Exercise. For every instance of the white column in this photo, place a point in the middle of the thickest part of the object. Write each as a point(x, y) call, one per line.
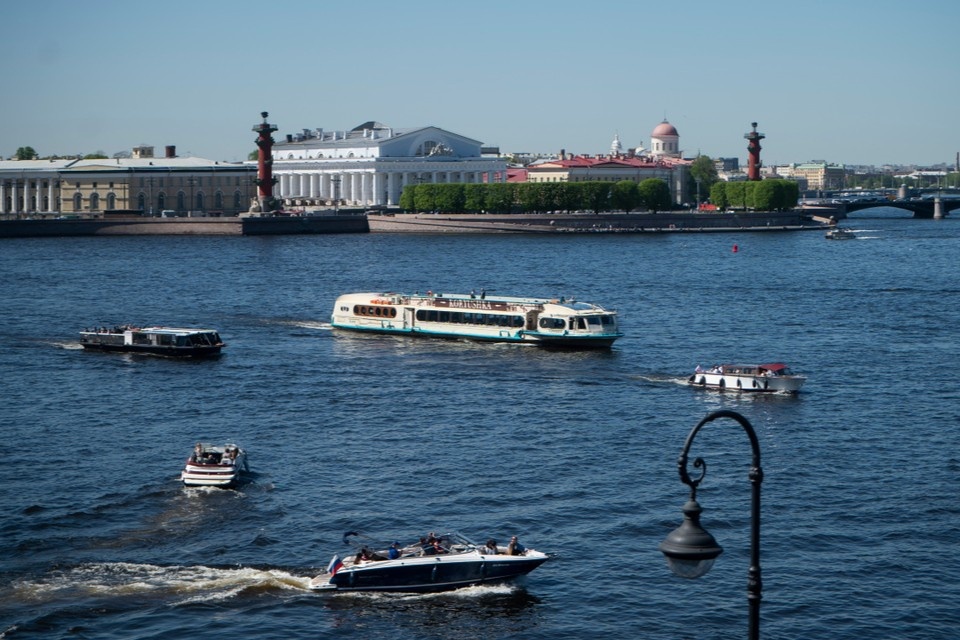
point(15, 205)
point(3, 196)
point(314, 184)
point(50, 202)
point(393, 191)
point(365, 188)
point(26, 195)
point(354, 187)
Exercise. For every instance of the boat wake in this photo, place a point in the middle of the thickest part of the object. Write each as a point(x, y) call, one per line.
point(180, 584)
point(307, 324)
point(463, 593)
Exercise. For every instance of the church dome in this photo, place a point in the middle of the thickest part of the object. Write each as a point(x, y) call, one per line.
point(664, 129)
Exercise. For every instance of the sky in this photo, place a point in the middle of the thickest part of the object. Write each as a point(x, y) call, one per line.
point(868, 82)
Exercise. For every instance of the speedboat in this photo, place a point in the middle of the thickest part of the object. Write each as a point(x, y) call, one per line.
point(212, 465)
point(840, 233)
point(165, 341)
point(556, 322)
point(771, 377)
point(434, 563)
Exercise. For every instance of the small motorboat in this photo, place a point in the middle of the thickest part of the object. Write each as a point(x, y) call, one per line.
point(212, 465)
point(434, 563)
point(772, 377)
point(163, 341)
point(840, 233)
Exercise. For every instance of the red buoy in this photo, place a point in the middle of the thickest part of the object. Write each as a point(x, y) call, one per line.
point(736, 248)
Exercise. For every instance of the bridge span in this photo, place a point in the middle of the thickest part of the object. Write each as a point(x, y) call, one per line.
point(921, 208)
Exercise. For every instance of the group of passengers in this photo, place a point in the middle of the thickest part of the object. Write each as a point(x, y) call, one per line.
point(209, 456)
point(431, 545)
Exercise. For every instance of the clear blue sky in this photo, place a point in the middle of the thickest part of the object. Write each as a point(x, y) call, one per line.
point(852, 81)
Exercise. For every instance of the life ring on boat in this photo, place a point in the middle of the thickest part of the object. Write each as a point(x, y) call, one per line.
point(723, 384)
point(703, 381)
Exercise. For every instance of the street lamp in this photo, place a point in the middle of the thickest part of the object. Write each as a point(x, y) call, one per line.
point(690, 549)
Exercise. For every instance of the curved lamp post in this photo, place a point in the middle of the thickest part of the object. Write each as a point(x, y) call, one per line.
point(690, 549)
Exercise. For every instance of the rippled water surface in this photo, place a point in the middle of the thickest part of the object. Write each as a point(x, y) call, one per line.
point(575, 452)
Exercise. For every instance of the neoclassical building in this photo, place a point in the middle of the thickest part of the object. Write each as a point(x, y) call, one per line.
point(143, 184)
point(370, 164)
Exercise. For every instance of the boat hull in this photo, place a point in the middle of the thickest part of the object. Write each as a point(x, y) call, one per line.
point(747, 383)
point(176, 352)
point(430, 573)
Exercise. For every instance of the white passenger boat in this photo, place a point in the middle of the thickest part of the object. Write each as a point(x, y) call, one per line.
point(543, 321)
point(213, 465)
point(772, 377)
point(437, 563)
point(166, 341)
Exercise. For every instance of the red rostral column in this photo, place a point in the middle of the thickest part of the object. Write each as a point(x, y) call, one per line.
point(753, 164)
point(265, 179)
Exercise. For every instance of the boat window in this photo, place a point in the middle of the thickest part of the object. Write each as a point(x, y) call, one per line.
point(374, 311)
point(607, 321)
point(552, 323)
point(593, 321)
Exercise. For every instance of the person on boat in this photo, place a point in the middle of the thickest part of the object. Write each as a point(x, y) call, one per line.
point(198, 452)
point(515, 548)
point(490, 548)
point(394, 552)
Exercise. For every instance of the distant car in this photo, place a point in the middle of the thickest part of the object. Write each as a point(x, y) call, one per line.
point(168, 213)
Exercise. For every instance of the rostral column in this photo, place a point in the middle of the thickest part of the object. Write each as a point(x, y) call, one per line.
point(265, 179)
point(753, 147)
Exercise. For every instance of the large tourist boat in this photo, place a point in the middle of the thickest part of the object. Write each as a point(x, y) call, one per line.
point(771, 377)
point(557, 322)
point(166, 341)
point(434, 563)
point(212, 465)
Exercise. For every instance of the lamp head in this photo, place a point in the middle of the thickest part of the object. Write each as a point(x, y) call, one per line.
point(690, 549)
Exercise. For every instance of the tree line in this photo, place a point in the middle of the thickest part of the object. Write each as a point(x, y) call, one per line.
point(537, 197)
point(763, 195)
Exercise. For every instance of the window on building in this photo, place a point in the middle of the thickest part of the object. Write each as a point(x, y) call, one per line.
point(77, 202)
point(111, 201)
point(94, 202)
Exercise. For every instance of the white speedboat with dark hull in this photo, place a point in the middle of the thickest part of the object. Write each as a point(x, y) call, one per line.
point(212, 465)
point(542, 321)
point(421, 568)
point(840, 233)
point(164, 341)
point(772, 377)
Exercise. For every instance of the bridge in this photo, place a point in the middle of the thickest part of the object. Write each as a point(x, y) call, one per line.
point(921, 208)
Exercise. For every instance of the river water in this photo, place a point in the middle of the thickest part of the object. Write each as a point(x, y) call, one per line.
point(575, 452)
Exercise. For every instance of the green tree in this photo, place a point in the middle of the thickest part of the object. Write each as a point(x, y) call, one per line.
point(654, 194)
point(253, 155)
point(97, 155)
point(26, 153)
point(703, 170)
point(718, 195)
point(595, 196)
point(625, 195)
point(736, 195)
point(501, 197)
point(407, 202)
point(425, 197)
point(449, 198)
point(765, 195)
point(474, 198)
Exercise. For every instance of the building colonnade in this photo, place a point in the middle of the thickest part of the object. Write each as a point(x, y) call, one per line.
point(366, 187)
point(28, 194)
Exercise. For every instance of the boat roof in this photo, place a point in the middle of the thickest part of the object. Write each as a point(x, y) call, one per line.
point(570, 303)
point(175, 330)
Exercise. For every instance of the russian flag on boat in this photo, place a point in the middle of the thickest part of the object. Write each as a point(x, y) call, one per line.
point(335, 565)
